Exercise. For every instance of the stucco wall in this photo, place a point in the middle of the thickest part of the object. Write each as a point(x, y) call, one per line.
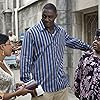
point(99, 15)
point(25, 2)
point(83, 4)
point(2, 23)
point(1, 16)
point(29, 16)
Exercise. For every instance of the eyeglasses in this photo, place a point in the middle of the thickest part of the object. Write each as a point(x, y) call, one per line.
point(97, 38)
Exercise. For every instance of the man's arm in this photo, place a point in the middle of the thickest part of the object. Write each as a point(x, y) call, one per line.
point(76, 43)
point(26, 57)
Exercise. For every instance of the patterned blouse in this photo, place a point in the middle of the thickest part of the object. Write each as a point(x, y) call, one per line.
point(6, 81)
point(87, 77)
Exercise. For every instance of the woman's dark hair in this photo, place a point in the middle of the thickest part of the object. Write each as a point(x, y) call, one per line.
point(3, 38)
point(50, 6)
point(97, 32)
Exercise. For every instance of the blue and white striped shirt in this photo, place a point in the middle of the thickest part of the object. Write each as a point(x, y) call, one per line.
point(42, 56)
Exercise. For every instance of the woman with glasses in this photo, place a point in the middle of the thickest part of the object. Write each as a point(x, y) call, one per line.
point(87, 76)
point(6, 76)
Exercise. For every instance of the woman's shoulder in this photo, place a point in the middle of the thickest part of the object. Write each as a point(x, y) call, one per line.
point(87, 54)
point(4, 74)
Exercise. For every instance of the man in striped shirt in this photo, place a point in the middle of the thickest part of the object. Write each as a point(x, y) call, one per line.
point(42, 55)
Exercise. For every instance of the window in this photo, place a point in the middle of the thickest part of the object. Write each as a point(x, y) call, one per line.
point(90, 25)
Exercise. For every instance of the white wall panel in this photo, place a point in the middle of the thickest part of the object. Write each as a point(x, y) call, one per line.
point(83, 4)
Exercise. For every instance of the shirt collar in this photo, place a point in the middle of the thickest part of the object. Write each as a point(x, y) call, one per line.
point(42, 27)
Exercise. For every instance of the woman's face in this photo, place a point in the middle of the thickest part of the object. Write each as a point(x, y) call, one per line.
point(96, 44)
point(8, 48)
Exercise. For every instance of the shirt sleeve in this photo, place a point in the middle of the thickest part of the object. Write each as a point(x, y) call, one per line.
point(26, 57)
point(76, 43)
point(78, 77)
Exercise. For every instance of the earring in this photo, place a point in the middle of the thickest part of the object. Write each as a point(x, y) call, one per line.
point(3, 53)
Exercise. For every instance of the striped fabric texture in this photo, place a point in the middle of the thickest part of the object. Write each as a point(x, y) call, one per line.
point(42, 56)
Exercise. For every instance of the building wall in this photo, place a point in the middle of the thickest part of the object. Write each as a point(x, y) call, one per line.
point(1, 15)
point(29, 16)
point(65, 20)
point(99, 14)
point(1, 25)
point(6, 9)
point(83, 4)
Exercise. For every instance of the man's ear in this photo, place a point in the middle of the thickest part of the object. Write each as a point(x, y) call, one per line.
point(2, 46)
point(56, 15)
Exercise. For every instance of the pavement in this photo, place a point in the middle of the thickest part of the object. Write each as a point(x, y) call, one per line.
point(28, 97)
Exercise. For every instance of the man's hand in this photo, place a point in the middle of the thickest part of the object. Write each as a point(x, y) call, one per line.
point(34, 93)
point(22, 91)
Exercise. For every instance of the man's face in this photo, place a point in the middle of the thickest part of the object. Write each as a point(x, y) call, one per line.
point(96, 44)
point(10, 33)
point(48, 18)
